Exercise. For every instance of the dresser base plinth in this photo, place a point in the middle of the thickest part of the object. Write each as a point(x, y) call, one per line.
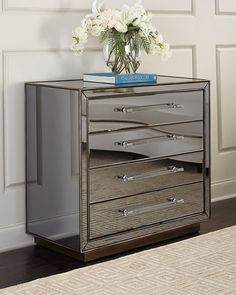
point(118, 247)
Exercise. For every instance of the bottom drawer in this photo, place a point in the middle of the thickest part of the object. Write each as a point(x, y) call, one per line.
point(119, 215)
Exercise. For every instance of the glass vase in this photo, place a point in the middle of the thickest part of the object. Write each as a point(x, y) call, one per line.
point(123, 57)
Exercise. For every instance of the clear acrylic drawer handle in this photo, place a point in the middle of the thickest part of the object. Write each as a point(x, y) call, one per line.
point(168, 170)
point(133, 142)
point(171, 201)
point(159, 106)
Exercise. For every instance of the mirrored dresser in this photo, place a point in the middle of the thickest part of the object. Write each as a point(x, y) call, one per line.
point(112, 168)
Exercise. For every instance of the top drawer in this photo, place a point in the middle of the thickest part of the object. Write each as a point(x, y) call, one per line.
point(141, 110)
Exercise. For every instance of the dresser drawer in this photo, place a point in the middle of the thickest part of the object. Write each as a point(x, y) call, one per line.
point(142, 110)
point(130, 179)
point(146, 142)
point(115, 216)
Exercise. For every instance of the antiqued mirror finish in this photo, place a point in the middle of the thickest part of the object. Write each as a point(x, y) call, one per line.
point(109, 164)
point(129, 179)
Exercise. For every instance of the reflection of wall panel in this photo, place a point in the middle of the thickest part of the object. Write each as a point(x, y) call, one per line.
point(74, 110)
point(225, 6)
point(161, 6)
point(20, 67)
point(226, 60)
point(34, 150)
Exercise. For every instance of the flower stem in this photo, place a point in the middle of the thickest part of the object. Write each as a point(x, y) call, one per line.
point(124, 53)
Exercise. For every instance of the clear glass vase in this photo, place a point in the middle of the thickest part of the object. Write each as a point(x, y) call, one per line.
point(123, 57)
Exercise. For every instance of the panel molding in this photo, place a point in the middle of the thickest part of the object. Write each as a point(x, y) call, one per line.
point(16, 234)
point(193, 49)
point(5, 72)
point(6, 7)
point(219, 99)
point(223, 189)
point(218, 11)
point(14, 237)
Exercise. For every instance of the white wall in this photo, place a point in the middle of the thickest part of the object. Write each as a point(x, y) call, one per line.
point(34, 41)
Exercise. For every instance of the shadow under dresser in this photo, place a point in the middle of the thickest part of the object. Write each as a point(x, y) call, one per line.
point(112, 168)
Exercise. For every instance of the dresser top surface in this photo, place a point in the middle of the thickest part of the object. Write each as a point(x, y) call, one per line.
point(79, 84)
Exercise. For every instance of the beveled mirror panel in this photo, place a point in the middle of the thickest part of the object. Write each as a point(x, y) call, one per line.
point(153, 109)
point(139, 211)
point(123, 180)
point(145, 142)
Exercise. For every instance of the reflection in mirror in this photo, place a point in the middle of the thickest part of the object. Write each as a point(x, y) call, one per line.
point(53, 165)
point(146, 142)
point(140, 177)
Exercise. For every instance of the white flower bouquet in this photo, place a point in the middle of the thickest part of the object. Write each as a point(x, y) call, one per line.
point(125, 33)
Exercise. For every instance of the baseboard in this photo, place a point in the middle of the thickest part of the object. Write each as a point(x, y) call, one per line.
point(223, 189)
point(14, 237)
point(56, 227)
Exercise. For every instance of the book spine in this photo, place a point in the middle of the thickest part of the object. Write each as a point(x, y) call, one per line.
point(133, 78)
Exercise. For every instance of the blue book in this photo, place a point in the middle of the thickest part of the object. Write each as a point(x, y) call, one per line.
point(120, 79)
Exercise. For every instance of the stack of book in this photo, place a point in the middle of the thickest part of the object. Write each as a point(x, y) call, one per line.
point(119, 79)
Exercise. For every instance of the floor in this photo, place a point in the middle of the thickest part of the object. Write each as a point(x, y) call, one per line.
point(34, 262)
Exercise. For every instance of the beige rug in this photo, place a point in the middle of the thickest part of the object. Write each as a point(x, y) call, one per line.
point(202, 265)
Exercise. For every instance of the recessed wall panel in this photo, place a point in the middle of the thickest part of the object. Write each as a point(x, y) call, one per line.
point(226, 6)
point(226, 65)
point(21, 67)
point(179, 6)
point(173, 66)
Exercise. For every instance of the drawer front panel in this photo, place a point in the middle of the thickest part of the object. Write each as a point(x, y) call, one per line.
point(116, 113)
point(145, 142)
point(120, 181)
point(124, 214)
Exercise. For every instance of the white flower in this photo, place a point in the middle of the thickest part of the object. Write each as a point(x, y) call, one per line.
point(109, 18)
point(159, 38)
point(147, 28)
point(158, 46)
point(76, 47)
point(136, 22)
point(134, 14)
point(79, 38)
point(96, 8)
point(96, 28)
point(166, 52)
point(81, 34)
point(86, 23)
point(130, 18)
point(121, 27)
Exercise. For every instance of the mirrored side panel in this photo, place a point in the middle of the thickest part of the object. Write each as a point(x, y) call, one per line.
point(53, 157)
point(207, 148)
